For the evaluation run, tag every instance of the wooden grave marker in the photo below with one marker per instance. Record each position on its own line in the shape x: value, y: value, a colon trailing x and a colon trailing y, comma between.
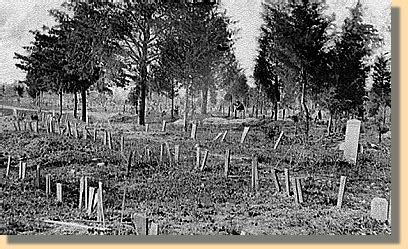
x: 177, y: 153
x: 161, y: 153
x: 100, y: 202
x: 8, y: 166
x: 37, y: 176
x: 278, y: 141
x: 287, y: 184
x: 86, y: 192
x: 47, y: 185
x: 341, y: 191
x: 299, y: 189
x: 146, y: 127
x: 91, y: 194
x: 168, y: 152
x: 95, y: 135
x: 276, y: 180
x: 204, y: 160
x: 198, y: 152
x: 254, y: 174
x: 227, y: 162
x: 129, y: 163
x: 164, y: 125
x: 244, y: 134
x: 81, y: 192
x: 59, y: 192
x: 224, y: 136
x: 109, y: 140
x: 194, y: 131
x: 122, y: 144
x: 217, y: 137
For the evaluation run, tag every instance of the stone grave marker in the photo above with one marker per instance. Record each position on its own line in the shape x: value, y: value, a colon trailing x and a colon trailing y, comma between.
x: 379, y: 209
x: 141, y: 224
x: 351, y: 141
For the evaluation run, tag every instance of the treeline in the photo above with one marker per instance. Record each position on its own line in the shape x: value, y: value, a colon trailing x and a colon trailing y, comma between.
x: 158, y: 46
x: 303, y: 57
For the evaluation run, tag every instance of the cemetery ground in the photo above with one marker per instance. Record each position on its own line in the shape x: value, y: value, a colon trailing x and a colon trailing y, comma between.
x: 185, y: 197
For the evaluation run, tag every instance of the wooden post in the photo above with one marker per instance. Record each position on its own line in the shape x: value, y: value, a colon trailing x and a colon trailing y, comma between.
x: 75, y: 131
x: 95, y: 134
x: 299, y: 189
x: 164, y: 126
x: 204, y: 160
x: 68, y: 129
x: 100, y: 202
x: 38, y: 177
x: 105, y: 138
x: 198, y: 152
x: 277, y: 141
x: 8, y: 166
x: 217, y: 137
x: 110, y: 140
x: 20, y: 168
x: 23, y: 171
x: 224, y: 136
x: 227, y: 162
x: 123, y: 210
x: 193, y: 131
x: 47, y: 185
x: 276, y: 180
x: 81, y: 191
x: 84, y: 133
x: 122, y: 144
x: 146, y: 127
x: 59, y: 192
x: 254, y: 178
x: 295, y: 190
x: 161, y: 153
x: 129, y: 165
x: 176, y: 153
x: 341, y: 191
x: 244, y: 134
x: 86, y: 192
x: 36, y: 126
x: 90, y: 199
x: 287, y: 184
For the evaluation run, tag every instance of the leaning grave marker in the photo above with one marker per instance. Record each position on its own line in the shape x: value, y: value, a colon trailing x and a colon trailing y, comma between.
x: 351, y: 141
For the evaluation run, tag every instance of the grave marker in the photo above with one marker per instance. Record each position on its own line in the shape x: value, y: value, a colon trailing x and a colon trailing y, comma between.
x: 81, y: 191
x: 110, y: 140
x: 168, y: 152
x: 227, y: 162
x: 37, y: 176
x: 59, y: 192
x: 389, y: 213
x: 295, y: 190
x: 86, y: 192
x: 141, y: 223
x: 90, y: 199
x: 276, y: 180
x: 244, y: 134
x: 217, y: 137
x: 278, y: 141
x: 8, y: 166
x: 176, y: 153
x: 100, y: 202
x: 36, y: 126
x: 146, y: 127
x: 351, y: 141
x: 287, y: 184
x: 164, y: 126
x: 105, y: 138
x: 47, y: 185
x: 122, y: 144
x: 299, y: 189
x: 204, y: 160
x: 193, y: 131
x: 154, y: 229
x: 161, y: 153
x: 341, y: 191
x: 95, y: 134
x: 75, y: 131
x: 198, y: 157
x: 224, y: 136
x: 254, y: 175
x: 84, y: 133
x: 129, y: 164
x: 379, y: 209
x: 68, y: 129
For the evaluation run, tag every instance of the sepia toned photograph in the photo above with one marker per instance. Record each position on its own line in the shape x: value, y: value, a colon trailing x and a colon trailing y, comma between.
x: 195, y: 117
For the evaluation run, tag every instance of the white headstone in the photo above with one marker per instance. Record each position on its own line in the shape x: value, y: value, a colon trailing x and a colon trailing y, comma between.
x: 351, y: 141
x: 379, y: 209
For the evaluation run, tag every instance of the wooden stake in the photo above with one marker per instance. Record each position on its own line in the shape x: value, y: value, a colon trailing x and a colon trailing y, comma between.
x: 86, y: 192
x: 59, y: 192
x: 146, y: 127
x: 276, y: 180
x: 164, y: 126
x: 8, y: 166
x: 105, y: 138
x: 287, y: 181
x: 81, y: 191
x: 341, y: 191
x: 204, y: 160
x: 176, y: 153
x: 36, y: 126
x: 198, y: 152
x: 20, y: 169
x: 123, y: 210
x: 37, y: 177
x: 217, y: 137
x: 90, y: 199
x: 161, y: 153
x: 193, y: 131
x: 122, y: 144
x: 227, y: 162
x: 277, y: 141
x: 299, y: 189
x: 75, y: 131
x: 129, y: 165
x: 295, y: 190
x: 110, y: 140
x: 47, y: 185
x: 244, y: 134
x: 224, y: 136
x: 254, y: 178
x: 68, y: 129
x: 95, y: 134
x: 100, y: 201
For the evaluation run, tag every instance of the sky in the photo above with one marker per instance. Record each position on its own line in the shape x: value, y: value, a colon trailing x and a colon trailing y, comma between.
x: 17, y: 17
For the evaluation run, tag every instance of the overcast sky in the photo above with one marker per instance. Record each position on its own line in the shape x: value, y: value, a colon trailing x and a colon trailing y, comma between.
x: 17, y: 17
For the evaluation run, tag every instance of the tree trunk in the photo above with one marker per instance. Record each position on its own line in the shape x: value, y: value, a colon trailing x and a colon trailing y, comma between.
x: 142, y: 104
x: 303, y: 103
x: 83, y: 98
x: 204, y: 100
x: 75, y: 105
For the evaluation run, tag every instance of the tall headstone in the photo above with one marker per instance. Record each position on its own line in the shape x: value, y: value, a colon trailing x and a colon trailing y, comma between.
x: 379, y: 209
x: 351, y: 141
